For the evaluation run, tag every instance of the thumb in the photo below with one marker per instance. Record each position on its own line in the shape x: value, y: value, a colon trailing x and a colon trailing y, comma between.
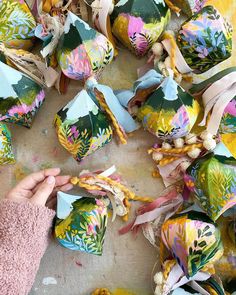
x: 44, y: 190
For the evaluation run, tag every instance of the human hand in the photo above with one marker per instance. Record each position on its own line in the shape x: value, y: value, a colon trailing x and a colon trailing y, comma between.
x: 40, y: 188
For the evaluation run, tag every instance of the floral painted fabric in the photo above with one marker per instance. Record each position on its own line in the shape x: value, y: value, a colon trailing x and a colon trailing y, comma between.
x: 212, y: 178
x: 190, y: 7
x: 17, y: 24
x: 228, y: 121
x: 6, y: 151
x: 85, y: 226
x: 205, y: 39
x: 20, y: 98
x: 138, y: 24
x: 82, y: 52
x: 81, y: 126
x: 169, y: 112
x: 193, y: 239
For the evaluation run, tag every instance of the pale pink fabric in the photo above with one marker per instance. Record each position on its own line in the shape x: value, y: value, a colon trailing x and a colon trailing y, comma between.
x: 24, y: 235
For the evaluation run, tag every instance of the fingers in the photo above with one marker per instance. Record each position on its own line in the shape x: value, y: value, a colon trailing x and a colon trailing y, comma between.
x: 44, y: 191
x: 60, y: 181
x: 65, y: 188
x: 33, y: 179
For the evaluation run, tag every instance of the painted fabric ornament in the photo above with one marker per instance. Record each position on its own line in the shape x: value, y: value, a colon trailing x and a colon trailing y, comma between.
x: 193, y: 239
x: 169, y: 112
x: 82, y: 127
x: 6, y: 151
x: 203, y: 41
x: 82, y: 52
x: 138, y: 24
x: 190, y: 7
x: 212, y: 178
x: 17, y: 24
x: 121, y: 120
x: 81, y: 223
x: 20, y: 98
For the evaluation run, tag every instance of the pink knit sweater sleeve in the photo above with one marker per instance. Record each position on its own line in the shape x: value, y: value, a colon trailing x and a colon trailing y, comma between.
x: 24, y: 232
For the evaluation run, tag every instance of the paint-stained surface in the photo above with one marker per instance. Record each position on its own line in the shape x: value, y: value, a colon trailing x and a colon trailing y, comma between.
x: 126, y: 262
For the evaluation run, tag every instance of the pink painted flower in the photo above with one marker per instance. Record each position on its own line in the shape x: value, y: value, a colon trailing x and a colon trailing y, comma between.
x: 231, y: 108
x: 73, y: 129
x: 91, y: 230
x: 135, y: 25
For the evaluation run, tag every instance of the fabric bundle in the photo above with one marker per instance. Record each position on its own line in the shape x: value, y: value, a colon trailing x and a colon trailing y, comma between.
x: 203, y: 41
x: 136, y: 24
x: 86, y: 123
x: 82, y: 52
x: 81, y: 223
x: 17, y: 24
x: 212, y: 179
x: 20, y: 98
x: 169, y: 111
x: 164, y: 107
x: 81, y: 126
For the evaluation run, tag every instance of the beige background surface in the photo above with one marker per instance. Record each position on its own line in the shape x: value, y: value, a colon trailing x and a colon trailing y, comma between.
x: 126, y: 262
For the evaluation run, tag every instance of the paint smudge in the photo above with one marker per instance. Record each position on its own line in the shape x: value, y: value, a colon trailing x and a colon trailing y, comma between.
x: 55, y: 152
x: 78, y: 263
x: 45, y: 165
x: 44, y: 132
x: 35, y: 159
x: 49, y: 281
x: 20, y: 173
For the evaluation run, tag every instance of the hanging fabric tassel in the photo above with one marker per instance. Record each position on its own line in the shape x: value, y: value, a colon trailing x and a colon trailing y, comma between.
x: 216, y: 98
x: 150, y: 217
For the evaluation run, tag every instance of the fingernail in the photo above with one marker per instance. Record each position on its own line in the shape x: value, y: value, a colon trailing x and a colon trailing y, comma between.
x: 50, y: 180
x: 69, y: 186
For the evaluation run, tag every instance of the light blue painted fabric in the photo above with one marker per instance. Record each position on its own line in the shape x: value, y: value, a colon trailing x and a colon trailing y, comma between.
x: 148, y: 80
x: 122, y: 116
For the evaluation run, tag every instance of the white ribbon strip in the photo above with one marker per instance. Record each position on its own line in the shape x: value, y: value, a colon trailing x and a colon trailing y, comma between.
x: 181, y: 64
x: 216, y: 98
x: 177, y: 279
x: 101, y: 9
x: 56, y: 28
